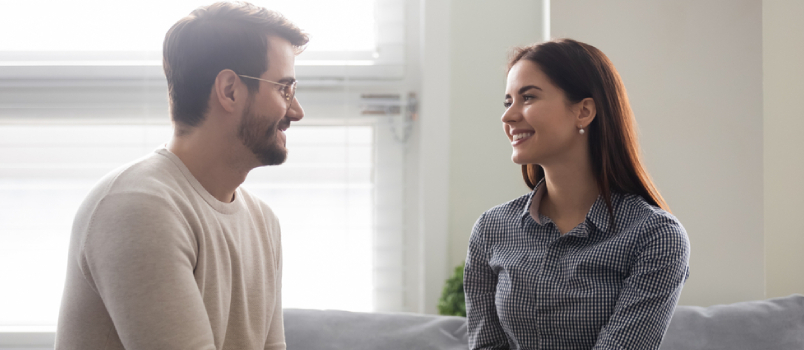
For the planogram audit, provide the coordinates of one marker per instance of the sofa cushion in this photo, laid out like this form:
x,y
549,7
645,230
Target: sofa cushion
x,y
773,324
337,330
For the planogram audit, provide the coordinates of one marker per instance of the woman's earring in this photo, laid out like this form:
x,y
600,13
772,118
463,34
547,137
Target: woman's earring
x,y
581,131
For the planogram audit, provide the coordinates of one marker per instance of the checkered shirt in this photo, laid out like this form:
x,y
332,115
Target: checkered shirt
x,y
599,286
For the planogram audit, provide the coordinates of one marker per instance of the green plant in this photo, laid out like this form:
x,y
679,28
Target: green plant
x,y
452,302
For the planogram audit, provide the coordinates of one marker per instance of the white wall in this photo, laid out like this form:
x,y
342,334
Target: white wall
x,y
464,163
728,162
481,172
693,71
433,166
783,63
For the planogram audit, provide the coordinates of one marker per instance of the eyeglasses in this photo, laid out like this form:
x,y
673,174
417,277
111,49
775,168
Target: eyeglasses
x,y
288,90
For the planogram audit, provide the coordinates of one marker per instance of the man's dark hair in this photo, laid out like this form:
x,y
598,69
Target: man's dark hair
x,y
212,38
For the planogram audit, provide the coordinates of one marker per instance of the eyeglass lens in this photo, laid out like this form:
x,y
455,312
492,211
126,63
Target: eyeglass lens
x,y
290,93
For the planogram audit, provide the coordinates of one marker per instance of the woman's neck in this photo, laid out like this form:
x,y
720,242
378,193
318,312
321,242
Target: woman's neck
x,y
571,190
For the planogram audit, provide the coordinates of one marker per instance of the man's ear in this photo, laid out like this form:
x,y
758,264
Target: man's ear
x,y
586,112
226,88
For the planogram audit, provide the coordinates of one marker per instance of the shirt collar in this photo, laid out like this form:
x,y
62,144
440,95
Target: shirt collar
x,y
535,195
598,214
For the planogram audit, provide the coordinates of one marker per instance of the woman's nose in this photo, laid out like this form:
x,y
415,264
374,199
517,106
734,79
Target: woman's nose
x,y
511,114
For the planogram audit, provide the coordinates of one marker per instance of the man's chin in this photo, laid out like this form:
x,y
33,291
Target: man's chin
x,y
272,157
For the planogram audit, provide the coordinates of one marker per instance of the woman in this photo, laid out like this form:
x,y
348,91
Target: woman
x,y
591,258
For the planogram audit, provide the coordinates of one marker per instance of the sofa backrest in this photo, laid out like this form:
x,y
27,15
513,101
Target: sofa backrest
x,y
773,324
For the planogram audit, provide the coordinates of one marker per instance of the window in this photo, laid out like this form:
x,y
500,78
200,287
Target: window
x,y
92,26
82,99
88,39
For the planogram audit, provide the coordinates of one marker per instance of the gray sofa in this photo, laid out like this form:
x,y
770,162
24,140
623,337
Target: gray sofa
x,y
774,324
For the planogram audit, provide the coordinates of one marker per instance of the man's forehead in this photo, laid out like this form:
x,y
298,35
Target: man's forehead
x,y
279,47
281,56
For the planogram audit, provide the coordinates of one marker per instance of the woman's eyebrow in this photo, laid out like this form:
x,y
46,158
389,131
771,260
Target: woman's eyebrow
x,y
526,88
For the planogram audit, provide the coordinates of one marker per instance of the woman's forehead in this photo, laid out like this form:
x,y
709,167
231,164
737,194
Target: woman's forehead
x,y
525,73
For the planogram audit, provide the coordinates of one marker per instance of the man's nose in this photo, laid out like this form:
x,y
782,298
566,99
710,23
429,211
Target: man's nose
x,y
295,112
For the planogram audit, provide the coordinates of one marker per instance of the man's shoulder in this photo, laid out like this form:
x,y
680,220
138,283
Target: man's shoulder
x,y
152,178
151,174
258,207
140,197
154,174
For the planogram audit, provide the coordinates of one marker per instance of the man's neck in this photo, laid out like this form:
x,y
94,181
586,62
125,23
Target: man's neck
x,y
212,162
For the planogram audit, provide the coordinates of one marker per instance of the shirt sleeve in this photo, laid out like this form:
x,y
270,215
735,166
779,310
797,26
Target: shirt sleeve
x,y
651,291
138,255
480,284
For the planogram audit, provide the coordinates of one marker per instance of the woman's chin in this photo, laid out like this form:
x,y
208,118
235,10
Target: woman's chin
x,y
520,159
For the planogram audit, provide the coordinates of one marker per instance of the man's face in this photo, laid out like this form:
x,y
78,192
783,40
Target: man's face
x,y
266,115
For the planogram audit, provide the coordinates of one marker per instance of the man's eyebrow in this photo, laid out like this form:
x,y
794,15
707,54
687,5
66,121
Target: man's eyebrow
x,y
286,80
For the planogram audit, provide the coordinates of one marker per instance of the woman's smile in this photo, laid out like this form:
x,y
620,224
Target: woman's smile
x,y
520,137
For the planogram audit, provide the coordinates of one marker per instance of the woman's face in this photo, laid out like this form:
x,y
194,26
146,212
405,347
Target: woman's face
x,y
539,120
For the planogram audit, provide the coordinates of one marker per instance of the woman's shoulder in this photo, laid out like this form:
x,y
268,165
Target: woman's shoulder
x,y
511,210
649,219
635,206
501,218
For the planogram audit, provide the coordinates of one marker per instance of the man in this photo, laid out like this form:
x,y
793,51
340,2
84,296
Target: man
x,y
168,252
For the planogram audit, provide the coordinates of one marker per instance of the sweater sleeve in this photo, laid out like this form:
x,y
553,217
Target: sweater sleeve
x,y
139,255
651,291
276,332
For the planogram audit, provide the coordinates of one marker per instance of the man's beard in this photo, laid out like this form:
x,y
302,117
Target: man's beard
x,y
260,136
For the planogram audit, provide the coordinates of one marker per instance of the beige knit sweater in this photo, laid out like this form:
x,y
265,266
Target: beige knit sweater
x,y
156,262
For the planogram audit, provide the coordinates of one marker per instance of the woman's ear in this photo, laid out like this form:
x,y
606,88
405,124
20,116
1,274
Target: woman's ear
x,y
586,112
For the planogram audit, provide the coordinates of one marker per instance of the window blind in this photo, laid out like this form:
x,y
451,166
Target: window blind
x,y
339,197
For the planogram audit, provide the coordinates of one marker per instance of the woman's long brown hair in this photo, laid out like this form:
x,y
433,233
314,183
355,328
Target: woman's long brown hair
x,y
583,71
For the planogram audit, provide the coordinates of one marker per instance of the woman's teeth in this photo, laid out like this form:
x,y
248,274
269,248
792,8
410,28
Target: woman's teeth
x,y
522,136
